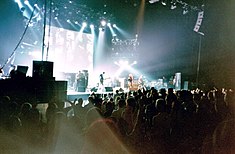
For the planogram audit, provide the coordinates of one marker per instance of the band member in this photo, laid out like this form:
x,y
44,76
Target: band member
x,y
80,79
102,78
141,81
130,80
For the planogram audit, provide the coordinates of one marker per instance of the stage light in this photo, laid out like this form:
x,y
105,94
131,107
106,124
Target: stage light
x,y
92,26
36,6
153,1
116,63
173,4
26,2
68,21
114,25
134,63
173,7
164,2
185,12
20,5
123,63
103,23
100,29
111,29
185,9
84,24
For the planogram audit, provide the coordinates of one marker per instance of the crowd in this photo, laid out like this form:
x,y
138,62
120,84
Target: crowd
x,y
143,121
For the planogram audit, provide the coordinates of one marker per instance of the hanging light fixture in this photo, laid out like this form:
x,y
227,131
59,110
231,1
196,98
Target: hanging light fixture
x,y
173,4
153,1
164,2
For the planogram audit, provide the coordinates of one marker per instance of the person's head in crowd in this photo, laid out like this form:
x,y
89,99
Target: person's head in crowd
x,y
92,115
170,91
80,101
121,103
25,108
103,137
117,91
5,99
131,104
160,105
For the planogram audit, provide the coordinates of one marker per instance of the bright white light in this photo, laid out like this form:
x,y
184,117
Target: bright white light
x,y
26,2
185,12
17,1
163,3
35,54
114,25
103,23
100,29
84,24
108,24
92,26
68,21
173,7
153,1
123,63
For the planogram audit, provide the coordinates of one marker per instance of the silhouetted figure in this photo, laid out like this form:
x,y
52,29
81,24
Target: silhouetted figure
x,y
130,80
102,78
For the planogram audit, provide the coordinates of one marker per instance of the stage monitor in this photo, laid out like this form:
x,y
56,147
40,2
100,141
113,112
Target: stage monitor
x,y
20,72
22,69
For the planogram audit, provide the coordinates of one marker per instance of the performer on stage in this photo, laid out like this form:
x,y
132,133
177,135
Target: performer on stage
x,y
102,78
141,82
80,79
130,80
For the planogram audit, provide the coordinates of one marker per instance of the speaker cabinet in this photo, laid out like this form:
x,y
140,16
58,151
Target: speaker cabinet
x,y
43,69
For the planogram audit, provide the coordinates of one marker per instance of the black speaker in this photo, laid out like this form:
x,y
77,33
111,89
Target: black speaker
x,y
108,89
22,69
43,69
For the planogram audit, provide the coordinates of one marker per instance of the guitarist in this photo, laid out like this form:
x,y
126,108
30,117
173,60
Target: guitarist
x,y
102,78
